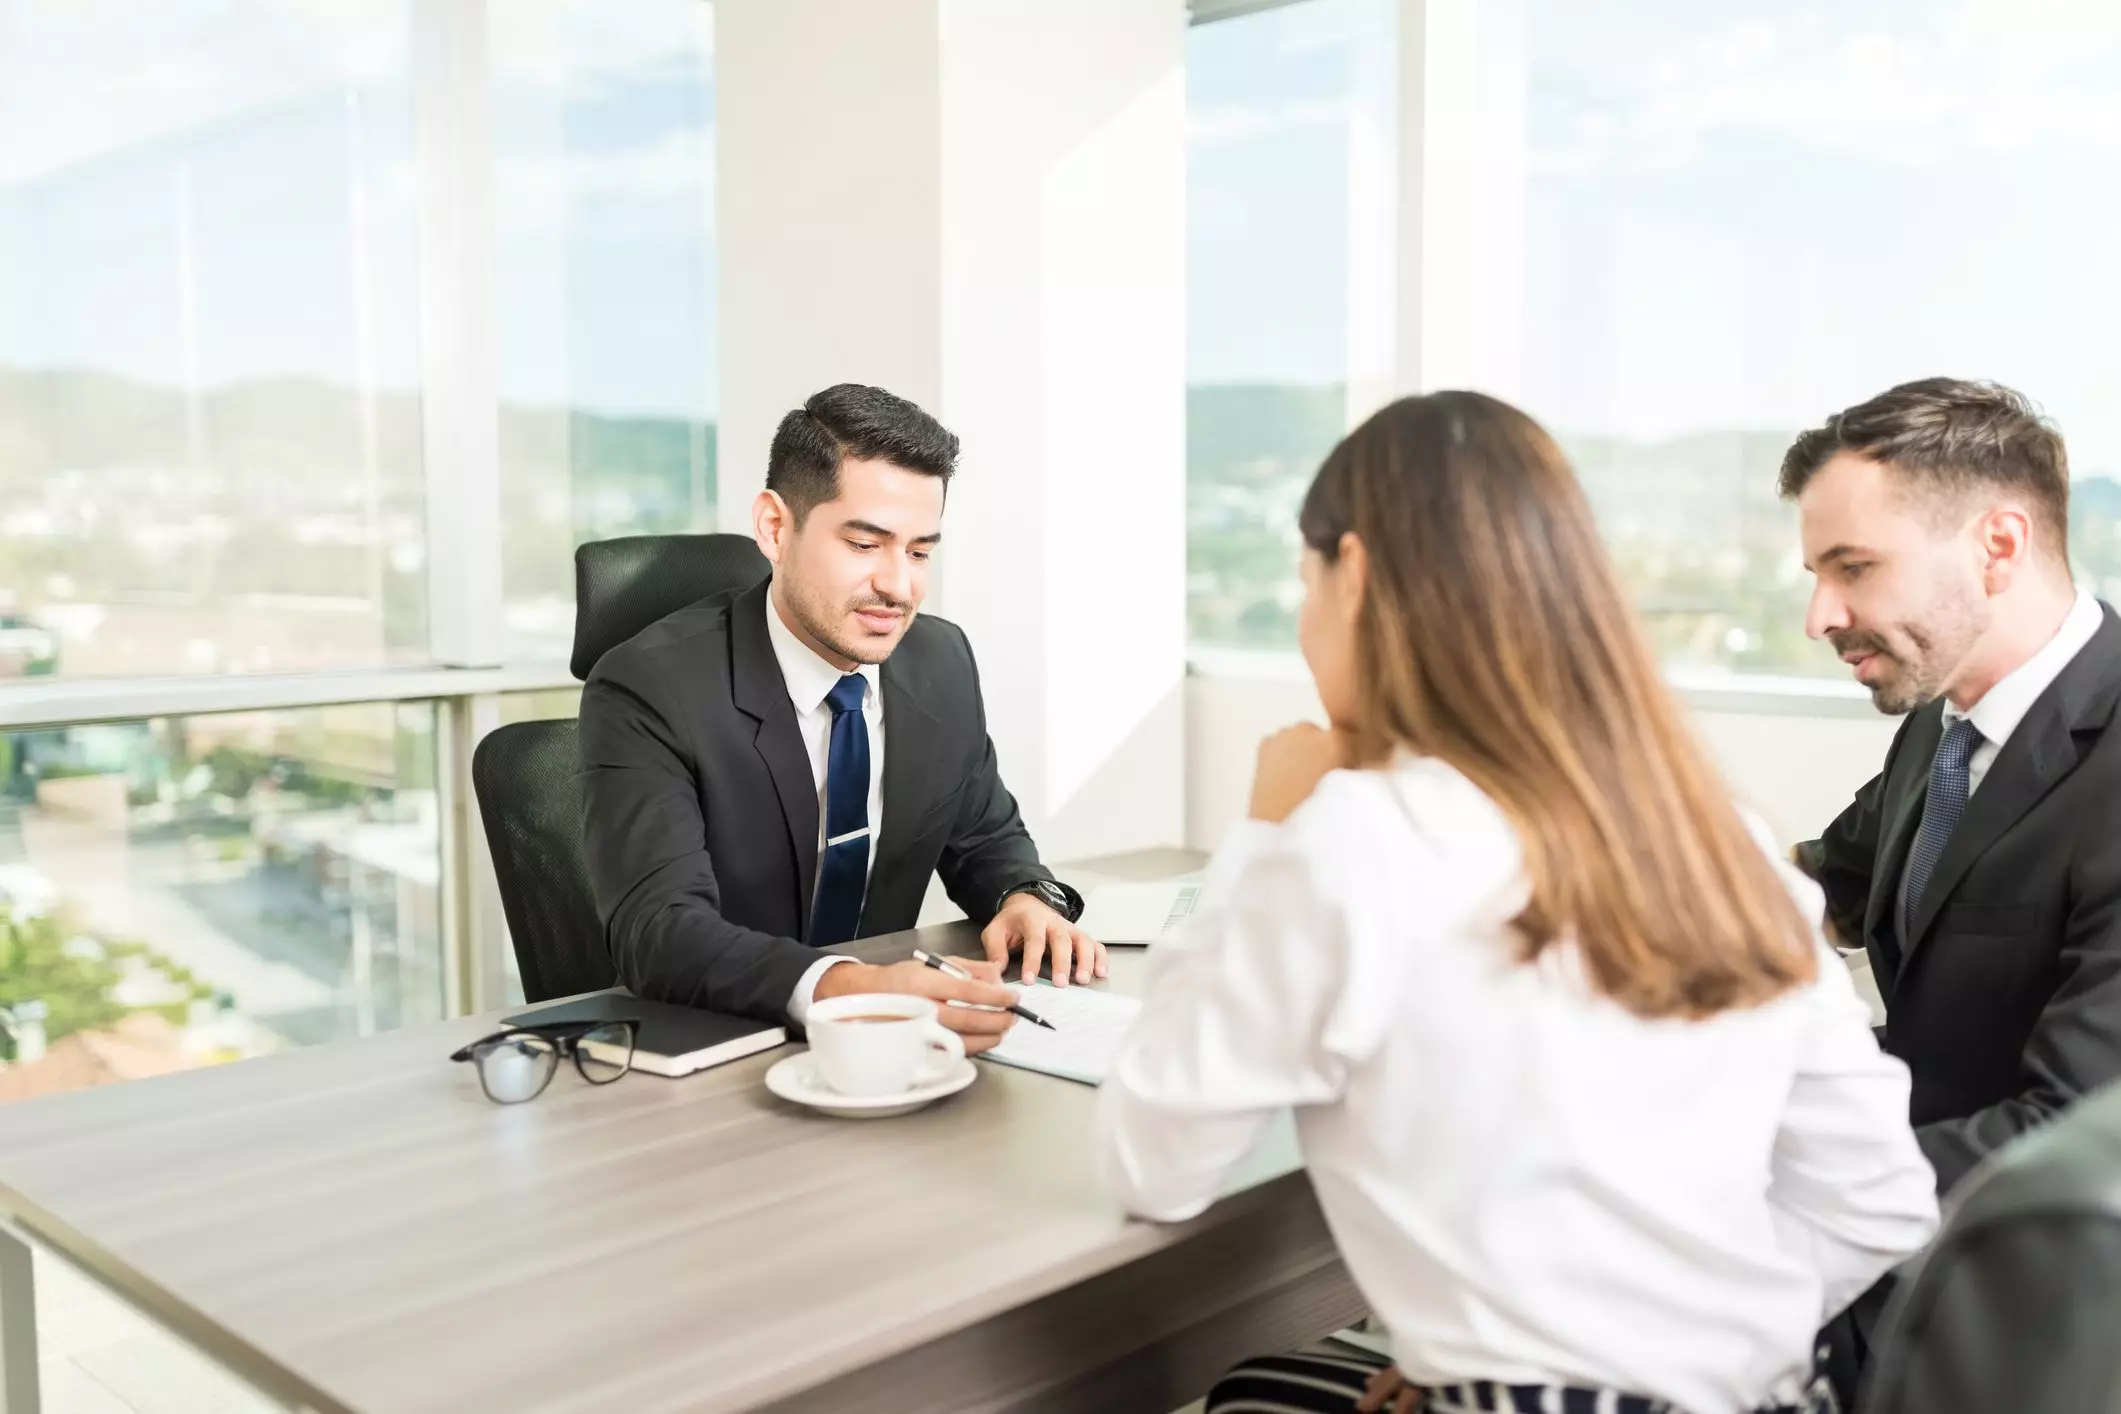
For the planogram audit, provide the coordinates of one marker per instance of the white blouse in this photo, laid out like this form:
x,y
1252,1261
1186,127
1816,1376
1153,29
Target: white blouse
x,y
1528,1182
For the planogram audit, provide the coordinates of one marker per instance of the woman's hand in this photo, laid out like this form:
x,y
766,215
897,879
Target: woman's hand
x,y
1389,1393
1291,764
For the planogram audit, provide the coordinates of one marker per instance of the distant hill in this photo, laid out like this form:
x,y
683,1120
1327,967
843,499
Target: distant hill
x,y
293,446
2095,498
1230,425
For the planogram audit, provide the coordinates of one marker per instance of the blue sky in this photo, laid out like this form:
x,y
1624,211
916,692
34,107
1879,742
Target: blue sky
x,y
1739,214
241,204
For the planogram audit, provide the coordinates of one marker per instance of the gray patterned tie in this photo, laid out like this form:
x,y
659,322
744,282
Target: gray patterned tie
x,y
1950,784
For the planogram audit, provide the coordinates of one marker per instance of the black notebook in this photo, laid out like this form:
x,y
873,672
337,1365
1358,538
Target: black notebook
x,y
670,1040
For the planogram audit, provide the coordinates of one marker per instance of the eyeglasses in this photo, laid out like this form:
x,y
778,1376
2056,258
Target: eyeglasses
x,y
517,1065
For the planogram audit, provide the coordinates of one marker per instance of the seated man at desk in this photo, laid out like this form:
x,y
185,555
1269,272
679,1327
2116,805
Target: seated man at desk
x,y
782,770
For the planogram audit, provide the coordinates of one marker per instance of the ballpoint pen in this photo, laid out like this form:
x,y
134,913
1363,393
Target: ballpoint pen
x,y
951,969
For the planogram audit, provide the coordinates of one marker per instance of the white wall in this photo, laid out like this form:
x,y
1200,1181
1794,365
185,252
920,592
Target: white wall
x,y
1797,771
1064,334
980,204
828,214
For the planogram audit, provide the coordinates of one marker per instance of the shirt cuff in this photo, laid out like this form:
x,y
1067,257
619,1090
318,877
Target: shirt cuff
x,y
806,988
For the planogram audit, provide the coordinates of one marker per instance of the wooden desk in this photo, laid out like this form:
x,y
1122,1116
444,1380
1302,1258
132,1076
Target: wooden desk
x,y
356,1228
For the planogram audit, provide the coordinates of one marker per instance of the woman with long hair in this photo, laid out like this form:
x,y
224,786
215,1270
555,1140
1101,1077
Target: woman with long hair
x,y
1593,1110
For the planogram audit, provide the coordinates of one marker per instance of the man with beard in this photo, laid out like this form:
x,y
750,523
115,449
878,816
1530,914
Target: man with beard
x,y
1981,869
780,770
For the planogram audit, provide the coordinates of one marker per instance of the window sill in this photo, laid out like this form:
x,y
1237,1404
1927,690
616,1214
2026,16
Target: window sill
x,y
57,702
1762,695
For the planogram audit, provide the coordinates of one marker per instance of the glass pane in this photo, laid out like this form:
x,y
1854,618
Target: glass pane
x,y
186,890
209,360
1741,217
553,703
603,131
1283,116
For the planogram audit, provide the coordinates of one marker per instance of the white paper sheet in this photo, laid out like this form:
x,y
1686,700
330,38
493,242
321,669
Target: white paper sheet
x,y
1088,1025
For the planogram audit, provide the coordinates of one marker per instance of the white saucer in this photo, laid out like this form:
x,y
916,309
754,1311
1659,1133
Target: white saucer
x,y
797,1079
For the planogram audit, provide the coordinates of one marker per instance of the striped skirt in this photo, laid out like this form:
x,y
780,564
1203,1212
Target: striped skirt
x,y
1329,1378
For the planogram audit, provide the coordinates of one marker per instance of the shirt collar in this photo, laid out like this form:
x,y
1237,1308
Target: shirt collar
x,y
808,677
2003,706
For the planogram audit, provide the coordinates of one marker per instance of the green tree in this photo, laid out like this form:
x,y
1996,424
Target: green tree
x,y
75,985
36,966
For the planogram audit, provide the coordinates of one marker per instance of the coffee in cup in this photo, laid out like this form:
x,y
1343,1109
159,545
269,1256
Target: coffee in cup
x,y
872,1045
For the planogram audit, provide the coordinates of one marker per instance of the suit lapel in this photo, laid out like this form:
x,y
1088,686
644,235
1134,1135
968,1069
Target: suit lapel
x,y
761,693
913,742
2040,753
1881,924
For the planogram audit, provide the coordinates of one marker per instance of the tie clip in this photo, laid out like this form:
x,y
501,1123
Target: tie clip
x,y
850,835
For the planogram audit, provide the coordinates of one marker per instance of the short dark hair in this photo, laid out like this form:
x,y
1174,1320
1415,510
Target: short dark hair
x,y
852,420
1948,436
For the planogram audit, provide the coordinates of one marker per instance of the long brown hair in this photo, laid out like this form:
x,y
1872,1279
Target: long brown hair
x,y
1494,635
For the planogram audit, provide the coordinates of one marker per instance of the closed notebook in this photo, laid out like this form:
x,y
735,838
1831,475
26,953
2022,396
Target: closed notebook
x,y
670,1040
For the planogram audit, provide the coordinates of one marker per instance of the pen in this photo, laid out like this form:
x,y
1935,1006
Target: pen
x,y
951,969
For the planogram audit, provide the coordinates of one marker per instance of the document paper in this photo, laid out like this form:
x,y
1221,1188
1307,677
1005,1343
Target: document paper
x,y
1088,1025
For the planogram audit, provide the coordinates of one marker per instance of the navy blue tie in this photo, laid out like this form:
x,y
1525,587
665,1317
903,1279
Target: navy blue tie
x,y
843,869
1950,785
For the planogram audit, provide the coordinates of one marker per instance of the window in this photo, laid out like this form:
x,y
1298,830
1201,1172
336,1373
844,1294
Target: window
x,y
1735,219
1741,217
553,704
1284,110
212,241
190,889
209,374
603,131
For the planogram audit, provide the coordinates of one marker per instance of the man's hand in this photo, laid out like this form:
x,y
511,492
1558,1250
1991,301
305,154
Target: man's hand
x,y
1389,1393
979,1029
1027,925
1291,764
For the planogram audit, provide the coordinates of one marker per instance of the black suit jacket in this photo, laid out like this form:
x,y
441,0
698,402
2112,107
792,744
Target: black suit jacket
x,y
701,815
2003,992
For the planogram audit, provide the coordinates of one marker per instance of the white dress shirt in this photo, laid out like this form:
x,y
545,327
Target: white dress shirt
x,y
2003,706
1528,1182
810,679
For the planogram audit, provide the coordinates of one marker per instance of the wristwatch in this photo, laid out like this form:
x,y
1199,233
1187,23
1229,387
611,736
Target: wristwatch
x,y
1058,897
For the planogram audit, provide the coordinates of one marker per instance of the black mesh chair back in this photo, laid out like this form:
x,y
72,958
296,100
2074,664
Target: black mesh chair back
x,y
2017,1303
622,586
528,776
528,779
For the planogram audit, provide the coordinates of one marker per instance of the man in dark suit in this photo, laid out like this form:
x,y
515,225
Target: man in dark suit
x,y
1981,869
780,770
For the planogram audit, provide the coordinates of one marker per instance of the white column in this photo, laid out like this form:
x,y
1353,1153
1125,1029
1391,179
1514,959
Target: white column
x,y
460,431
980,204
1459,279
828,214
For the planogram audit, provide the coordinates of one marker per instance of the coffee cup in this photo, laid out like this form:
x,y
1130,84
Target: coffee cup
x,y
877,1044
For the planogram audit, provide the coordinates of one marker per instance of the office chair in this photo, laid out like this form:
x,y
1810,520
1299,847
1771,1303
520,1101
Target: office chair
x,y
527,776
2017,1303
622,586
